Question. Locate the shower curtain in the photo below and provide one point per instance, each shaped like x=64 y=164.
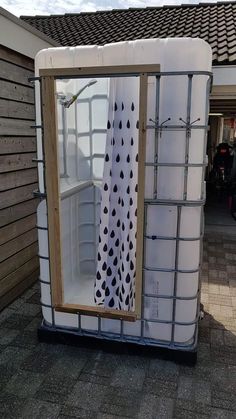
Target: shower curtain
x=116 y=257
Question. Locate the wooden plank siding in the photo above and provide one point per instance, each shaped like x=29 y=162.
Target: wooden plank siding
x=18 y=177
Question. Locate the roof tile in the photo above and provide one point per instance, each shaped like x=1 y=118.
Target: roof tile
x=213 y=22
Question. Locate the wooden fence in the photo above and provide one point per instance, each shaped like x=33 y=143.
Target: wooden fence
x=18 y=177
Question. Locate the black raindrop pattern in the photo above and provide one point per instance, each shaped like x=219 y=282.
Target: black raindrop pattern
x=116 y=259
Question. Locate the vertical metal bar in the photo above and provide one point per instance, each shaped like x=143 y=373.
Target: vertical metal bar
x=99 y=325
x=144 y=264
x=77 y=232
x=205 y=136
x=156 y=136
x=90 y=139
x=64 y=141
x=79 y=322
x=176 y=273
x=122 y=328
x=76 y=140
x=188 y=134
x=71 y=237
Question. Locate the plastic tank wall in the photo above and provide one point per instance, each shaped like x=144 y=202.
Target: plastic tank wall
x=170 y=184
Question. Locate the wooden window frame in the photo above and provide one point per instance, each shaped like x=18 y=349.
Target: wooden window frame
x=50 y=138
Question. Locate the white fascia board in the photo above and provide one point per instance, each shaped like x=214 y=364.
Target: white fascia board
x=224 y=75
x=22 y=37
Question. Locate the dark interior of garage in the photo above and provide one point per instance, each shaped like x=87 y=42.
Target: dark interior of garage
x=220 y=208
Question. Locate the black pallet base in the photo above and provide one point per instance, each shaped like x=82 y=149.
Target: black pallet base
x=50 y=335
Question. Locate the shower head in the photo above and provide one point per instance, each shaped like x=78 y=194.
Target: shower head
x=68 y=103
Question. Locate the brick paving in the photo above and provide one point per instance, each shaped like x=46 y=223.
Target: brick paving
x=43 y=381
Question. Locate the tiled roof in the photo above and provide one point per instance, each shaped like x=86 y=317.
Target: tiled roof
x=213 y=22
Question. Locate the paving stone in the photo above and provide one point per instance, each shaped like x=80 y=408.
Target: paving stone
x=223 y=399
x=7 y=335
x=68 y=366
x=94 y=378
x=217 y=337
x=123 y=411
x=14 y=357
x=222 y=414
x=163 y=369
x=193 y=408
x=153 y=407
x=17 y=321
x=38 y=361
x=195 y=389
x=6 y=372
x=36 y=409
x=10 y=406
x=87 y=395
x=162 y=388
x=5 y=314
x=75 y=412
x=28 y=309
x=108 y=416
x=57 y=384
x=128 y=377
x=24 y=384
x=26 y=339
x=230 y=338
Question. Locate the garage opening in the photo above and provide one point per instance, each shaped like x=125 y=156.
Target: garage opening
x=220 y=209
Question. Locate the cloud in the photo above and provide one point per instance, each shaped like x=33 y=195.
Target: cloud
x=29 y=7
x=42 y=7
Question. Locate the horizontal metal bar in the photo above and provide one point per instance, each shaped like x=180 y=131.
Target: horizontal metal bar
x=182 y=271
x=171 y=297
x=175 y=164
x=125 y=74
x=185 y=73
x=45 y=305
x=33 y=79
x=41 y=228
x=88 y=203
x=36 y=126
x=187 y=239
x=38 y=194
x=172 y=322
x=42 y=281
x=38 y=160
x=176 y=127
x=174 y=202
x=43 y=257
x=93 y=156
x=86 y=242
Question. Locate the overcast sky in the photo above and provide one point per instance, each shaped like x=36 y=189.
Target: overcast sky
x=41 y=7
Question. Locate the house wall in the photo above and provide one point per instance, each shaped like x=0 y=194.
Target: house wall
x=18 y=176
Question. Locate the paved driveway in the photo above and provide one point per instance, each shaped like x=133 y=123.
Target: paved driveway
x=39 y=380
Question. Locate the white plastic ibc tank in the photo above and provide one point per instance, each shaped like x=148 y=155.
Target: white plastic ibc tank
x=174 y=54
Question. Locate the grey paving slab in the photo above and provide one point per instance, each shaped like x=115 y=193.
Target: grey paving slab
x=75 y=412
x=152 y=407
x=24 y=383
x=10 y=406
x=36 y=409
x=87 y=395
